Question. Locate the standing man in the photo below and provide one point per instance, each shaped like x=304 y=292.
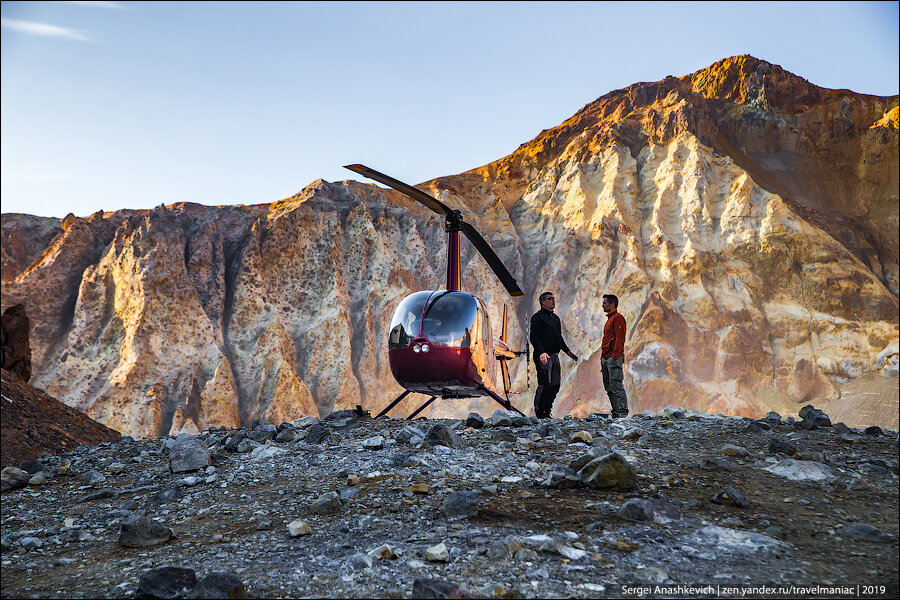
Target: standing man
x=612 y=356
x=546 y=337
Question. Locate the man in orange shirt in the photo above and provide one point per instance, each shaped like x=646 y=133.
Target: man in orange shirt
x=612 y=356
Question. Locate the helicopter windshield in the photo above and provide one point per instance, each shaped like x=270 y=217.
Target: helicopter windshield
x=407 y=319
x=450 y=319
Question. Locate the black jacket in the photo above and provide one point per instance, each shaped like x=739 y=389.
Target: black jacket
x=546 y=333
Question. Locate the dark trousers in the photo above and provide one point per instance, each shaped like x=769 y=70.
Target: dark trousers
x=548 y=377
x=613 y=377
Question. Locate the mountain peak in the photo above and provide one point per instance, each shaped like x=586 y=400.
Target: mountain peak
x=748 y=80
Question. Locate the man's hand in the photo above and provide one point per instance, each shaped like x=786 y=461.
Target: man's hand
x=544 y=358
x=572 y=356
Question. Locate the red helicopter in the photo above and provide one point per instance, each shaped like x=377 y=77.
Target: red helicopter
x=440 y=341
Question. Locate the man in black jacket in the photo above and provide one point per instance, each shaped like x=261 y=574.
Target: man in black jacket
x=546 y=338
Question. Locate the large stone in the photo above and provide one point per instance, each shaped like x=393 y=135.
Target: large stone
x=611 y=470
x=326 y=504
x=475 y=421
x=801 y=470
x=316 y=434
x=143 y=532
x=867 y=533
x=437 y=553
x=655 y=509
x=189 y=453
x=13 y=478
x=459 y=505
x=441 y=435
x=166 y=583
x=409 y=435
x=438 y=588
x=219 y=585
x=813 y=418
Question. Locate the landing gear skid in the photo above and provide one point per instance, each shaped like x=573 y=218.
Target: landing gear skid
x=504 y=403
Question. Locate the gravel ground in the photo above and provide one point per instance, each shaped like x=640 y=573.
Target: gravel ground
x=371 y=510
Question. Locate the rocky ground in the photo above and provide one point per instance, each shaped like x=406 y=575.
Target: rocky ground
x=352 y=507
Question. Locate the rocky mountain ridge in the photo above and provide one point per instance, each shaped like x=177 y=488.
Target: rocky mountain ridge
x=746 y=219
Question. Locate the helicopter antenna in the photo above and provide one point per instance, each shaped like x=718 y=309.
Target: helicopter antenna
x=454 y=225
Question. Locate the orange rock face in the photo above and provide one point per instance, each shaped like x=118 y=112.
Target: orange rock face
x=746 y=219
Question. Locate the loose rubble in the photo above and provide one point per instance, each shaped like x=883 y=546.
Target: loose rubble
x=500 y=507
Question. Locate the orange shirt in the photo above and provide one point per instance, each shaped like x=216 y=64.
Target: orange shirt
x=613 y=345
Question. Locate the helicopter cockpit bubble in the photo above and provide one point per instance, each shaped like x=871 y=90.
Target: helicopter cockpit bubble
x=406 y=322
x=450 y=318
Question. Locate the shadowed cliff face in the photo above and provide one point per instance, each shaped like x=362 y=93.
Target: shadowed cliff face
x=746 y=219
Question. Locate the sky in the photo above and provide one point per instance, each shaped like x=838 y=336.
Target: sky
x=113 y=105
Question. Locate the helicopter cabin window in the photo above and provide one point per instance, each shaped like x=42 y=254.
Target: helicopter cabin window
x=450 y=319
x=406 y=320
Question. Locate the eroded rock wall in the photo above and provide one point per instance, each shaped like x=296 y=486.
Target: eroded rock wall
x=746 y=219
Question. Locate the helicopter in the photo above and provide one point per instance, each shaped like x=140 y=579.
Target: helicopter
x=440 y=342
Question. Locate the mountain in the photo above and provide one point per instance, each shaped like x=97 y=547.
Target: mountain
x=746 y=218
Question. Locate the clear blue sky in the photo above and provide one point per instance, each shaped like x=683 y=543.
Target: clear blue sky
x=110 y=105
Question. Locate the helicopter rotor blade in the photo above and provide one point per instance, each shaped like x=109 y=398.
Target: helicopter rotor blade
x=408 y=190
x=493 y=261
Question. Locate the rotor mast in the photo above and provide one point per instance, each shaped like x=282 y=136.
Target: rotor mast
x=453 y=228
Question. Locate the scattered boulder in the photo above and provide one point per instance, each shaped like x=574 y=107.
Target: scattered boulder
x=409 y=435
x=316 y=434
x=501 y=418
x=732 y=450
x=297 y=528
x=459 y=505
x=219 y=585
x=441 y=435
x=732 y=495
x=867 y=533
x=374 y=443
x=437 y=553
x=779 y=446
x=326 y=504
x=438 y=588
x=142 y=532
x=13 y=478
x=813 y=418
x=166 y=583
x=715 y=463
x=801 y=470
x=608 y=471
x=358 y=561
x=655 y=509
x=583 y=436
x=32 y=466
x=341 y=420
x=189 y=453
x=475 y=421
